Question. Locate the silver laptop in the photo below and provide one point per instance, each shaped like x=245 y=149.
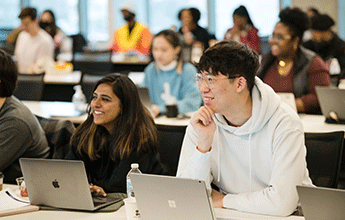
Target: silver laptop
x=60 y=184
x=288 y=98
x=172 y=198
x=331 y=99
x=145 y=99
x=320 y=203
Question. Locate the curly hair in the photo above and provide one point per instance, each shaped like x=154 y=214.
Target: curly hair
x=195 y=13
x=296 y=20
x=322 y=22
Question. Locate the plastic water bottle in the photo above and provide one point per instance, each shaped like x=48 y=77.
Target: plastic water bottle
x=134 y=169
x=78 y=99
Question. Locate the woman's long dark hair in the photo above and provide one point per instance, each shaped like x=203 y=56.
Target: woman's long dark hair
x=134 y=129
x=52 y=28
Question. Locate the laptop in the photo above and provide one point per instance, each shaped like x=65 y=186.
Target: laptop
x=145 y=99
x=288 y=98
x=60 y=184
x=320 y=203
x=332 y=103
x=172 y=198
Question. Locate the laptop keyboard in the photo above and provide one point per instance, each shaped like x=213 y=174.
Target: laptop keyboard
x=99 y=200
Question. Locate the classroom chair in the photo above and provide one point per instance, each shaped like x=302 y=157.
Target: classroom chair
x=324 y=156
x=170 y=139
x=58 y=134
x=29 y=87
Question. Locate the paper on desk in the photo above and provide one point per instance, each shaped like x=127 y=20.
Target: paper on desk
x=9 y=200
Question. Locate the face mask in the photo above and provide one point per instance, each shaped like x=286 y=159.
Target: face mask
x=129 y=17
x=321 y=46
x=43 y=25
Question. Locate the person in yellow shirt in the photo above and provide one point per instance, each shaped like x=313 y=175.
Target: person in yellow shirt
x=133 y=36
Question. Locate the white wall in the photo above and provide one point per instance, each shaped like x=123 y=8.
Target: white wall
x=329 y=7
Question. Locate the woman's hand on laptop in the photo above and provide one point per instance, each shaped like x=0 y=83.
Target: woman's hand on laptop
x=97 y=191
x=217 y=198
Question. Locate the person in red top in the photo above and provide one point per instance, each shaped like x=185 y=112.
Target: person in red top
x=289 y=67
x=243 y=30
x=134 y=36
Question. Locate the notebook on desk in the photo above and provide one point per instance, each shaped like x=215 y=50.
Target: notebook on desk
x=320 y=203
x=171 y=198
x=60 y=184
x=332 y=103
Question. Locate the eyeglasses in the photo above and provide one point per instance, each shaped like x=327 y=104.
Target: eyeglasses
x=279 y=37
x=199 y=78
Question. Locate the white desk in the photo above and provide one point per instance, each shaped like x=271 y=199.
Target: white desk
x=311 y=123
x=121 y=214
x=47 y=109
x=136 y=77
x=63 y=79
x=316 y=123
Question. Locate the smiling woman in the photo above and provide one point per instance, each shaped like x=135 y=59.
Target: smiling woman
x=291 y=68
x=119 y=131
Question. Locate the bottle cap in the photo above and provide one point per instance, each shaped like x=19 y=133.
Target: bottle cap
x=77 y=88
x=134 y=165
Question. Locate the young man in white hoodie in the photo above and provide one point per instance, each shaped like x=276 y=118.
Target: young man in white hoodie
x=244 y=139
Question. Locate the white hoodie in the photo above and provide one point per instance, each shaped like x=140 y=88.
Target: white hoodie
x=257 y=165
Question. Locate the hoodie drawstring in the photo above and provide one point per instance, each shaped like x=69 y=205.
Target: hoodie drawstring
x=218 y=146
x=250 y=164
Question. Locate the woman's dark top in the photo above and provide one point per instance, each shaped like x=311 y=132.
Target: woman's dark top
x=111 y=175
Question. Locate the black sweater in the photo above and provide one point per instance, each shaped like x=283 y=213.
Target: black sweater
x=111 y=175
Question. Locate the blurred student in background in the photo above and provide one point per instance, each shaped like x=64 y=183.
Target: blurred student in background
x=192 y=34
x=118 y=131
x=326 y=43
x=134 y=36
x=48 y=23
x=33 y=44
x=243 y=30
x=168 y=66
x=21 y=135
x=311 y=12
x=289 y=67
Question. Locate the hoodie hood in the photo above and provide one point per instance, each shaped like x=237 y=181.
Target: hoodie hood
x=265 y=104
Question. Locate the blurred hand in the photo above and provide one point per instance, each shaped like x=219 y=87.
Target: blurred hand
x=97 y=191
x=187 y=35
x=155 y=110
x=235 y=30
x=217 y=198
x=212 y=42
x=300 y=105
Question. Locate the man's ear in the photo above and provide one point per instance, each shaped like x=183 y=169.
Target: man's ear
x=241 y=83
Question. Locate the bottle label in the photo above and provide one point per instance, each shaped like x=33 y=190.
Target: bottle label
x=130 y=191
